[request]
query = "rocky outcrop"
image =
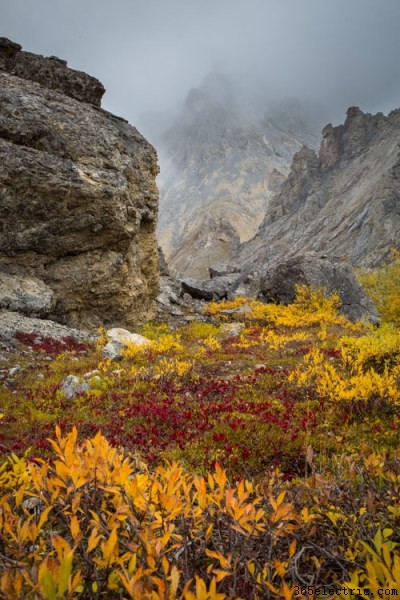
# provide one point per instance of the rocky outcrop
(279, 284)
(12, 323)
(345, 201)
(78, 198)
(220, 168)
(52, 72)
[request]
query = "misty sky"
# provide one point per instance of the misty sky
(149, 53)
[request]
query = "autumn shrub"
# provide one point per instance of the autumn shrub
(379, 349)
(354, 379)
(94, 522)
(214, 308)
(52, 345)
(383, 286)
(173, 367)
(312, 306)
(152, 330)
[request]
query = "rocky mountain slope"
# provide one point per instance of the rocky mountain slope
(78, 199)
(343, 202)
(219, 172)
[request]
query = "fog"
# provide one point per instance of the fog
(149, 53)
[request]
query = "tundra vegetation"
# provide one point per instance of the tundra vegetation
(252, 461)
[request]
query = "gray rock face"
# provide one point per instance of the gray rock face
(219, 172)
(220, 270)
(12, 322)
(53, 73)
(279, 284)
(164, 271)
(344, 202)
(78, 198)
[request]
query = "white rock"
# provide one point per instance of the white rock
(125, 337)
(72, 387)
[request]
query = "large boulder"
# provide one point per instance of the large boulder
(78, 197)
(279, 284)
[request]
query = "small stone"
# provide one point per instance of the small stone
(14, 370)
(73, 386)
(32, 503)
(187, 298)
(91, 374)
(112, 350)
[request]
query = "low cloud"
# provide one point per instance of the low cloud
(149, 53)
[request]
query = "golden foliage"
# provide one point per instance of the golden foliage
(311, 307)
(103, 522)
(383, 285)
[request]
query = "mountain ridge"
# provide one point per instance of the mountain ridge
(219, 171)
(343, 201)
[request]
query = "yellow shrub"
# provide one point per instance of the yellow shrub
(379, 349)
(153, 331)
(169, 367)
(95, 522)
(167, 343)
(383, 285)
(382, 571)
(164, 344)
(132, 350)
(309, 299)
(348, 381)
(103, 524)
(213, 308)
(275, 341)
(311, 306)
(211, 343)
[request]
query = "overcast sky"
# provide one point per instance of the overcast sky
(149, 53)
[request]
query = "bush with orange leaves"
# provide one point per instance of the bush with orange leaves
(95, 523)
